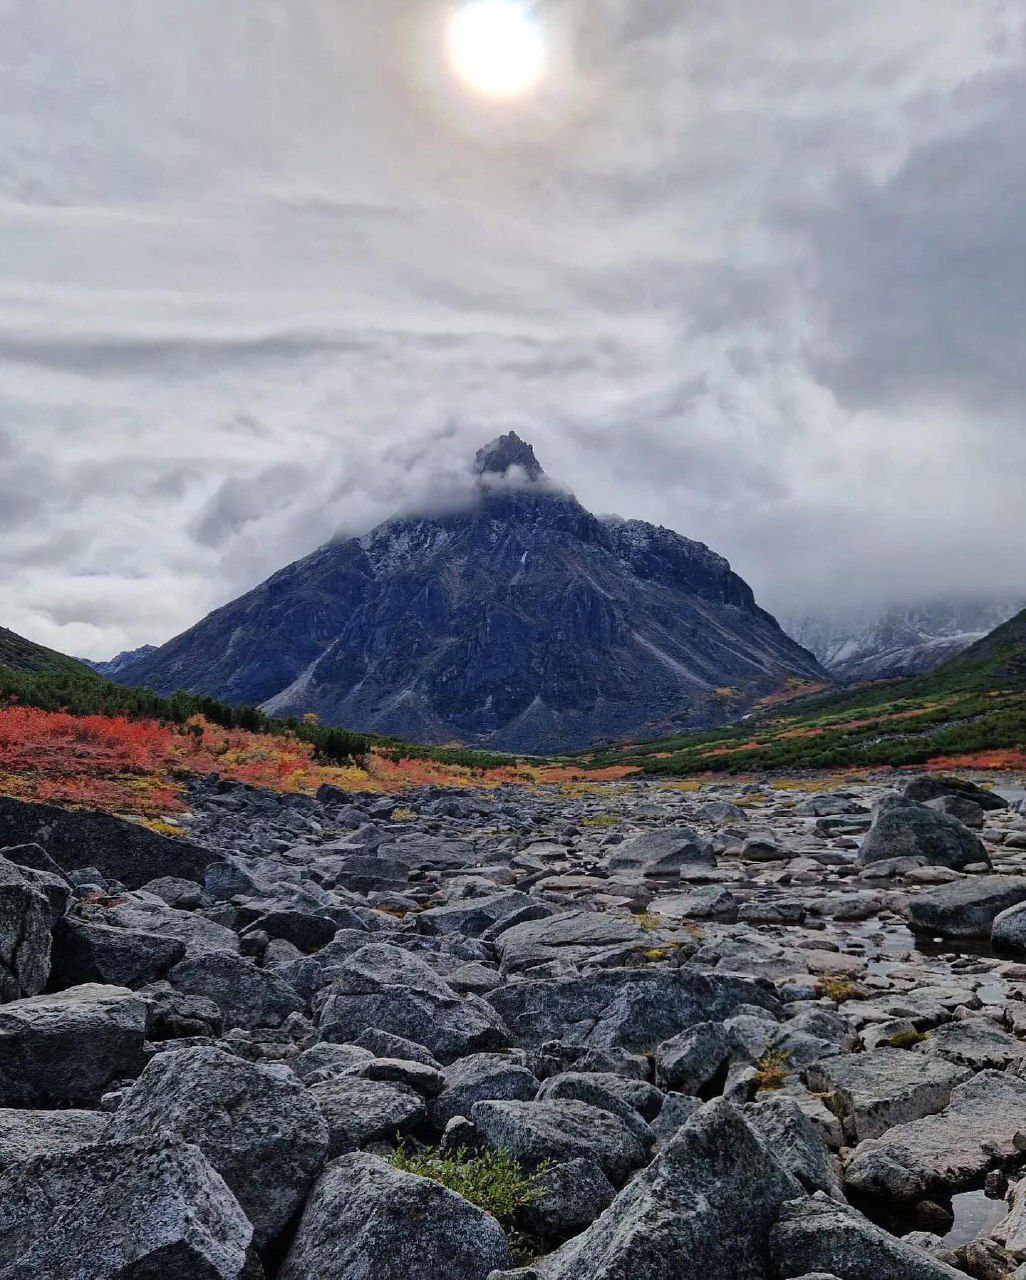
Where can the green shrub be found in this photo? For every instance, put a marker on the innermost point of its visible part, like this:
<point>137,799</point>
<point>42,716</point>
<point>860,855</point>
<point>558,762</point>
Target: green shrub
<point>493,1181</point>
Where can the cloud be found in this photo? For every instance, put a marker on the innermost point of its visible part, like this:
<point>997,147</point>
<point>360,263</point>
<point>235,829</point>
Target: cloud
<point>269,276</point>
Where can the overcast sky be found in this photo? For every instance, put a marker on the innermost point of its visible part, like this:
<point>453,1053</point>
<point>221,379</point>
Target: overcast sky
<point>756,271</point>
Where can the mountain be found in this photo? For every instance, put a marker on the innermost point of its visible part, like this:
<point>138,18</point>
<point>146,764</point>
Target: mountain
<point>521,622</point>
<point>969,713</point>
<point>19,654</point>
<point>997,661</point>
<point>886,644</point>
<point>114,666</point>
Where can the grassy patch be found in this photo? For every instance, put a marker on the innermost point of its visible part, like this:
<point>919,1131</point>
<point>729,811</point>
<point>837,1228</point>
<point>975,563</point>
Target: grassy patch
<point>494,1181</point>
<point>649,921</point>
<point>906,1039</point>
<point>839,989</point>
<point>772,1069</point>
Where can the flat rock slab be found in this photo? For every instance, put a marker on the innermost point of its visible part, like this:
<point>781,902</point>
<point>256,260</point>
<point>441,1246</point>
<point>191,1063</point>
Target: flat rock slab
<point>656,852</point>
<point>872,1092</point>
<point>965,908</point>
<point>940,1154</point>
<point>573,935</point>
<point>975,1043</point>
<point>35,1133</point>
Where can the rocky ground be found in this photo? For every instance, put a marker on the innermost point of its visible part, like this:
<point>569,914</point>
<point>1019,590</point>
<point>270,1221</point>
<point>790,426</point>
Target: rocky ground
<point>741,1033</point>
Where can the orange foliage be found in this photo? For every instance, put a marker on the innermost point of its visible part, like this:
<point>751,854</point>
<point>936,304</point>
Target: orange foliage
<point>566,773</point>
<point>1004,758</point>
<point>140,767</point>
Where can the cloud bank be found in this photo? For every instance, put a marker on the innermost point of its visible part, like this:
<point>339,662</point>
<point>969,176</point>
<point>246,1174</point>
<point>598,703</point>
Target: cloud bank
<point>268,274</point>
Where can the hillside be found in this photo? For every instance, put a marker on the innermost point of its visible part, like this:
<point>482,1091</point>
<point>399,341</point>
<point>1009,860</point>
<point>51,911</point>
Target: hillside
<point>19,654</point>
<point>520,622</point>
<point>971,711</point>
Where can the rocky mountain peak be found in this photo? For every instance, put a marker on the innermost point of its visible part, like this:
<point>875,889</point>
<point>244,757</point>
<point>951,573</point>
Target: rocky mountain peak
<point>503,454</point>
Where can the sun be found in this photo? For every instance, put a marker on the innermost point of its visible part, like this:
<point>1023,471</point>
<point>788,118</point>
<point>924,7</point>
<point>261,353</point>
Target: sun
<point>497,47</point>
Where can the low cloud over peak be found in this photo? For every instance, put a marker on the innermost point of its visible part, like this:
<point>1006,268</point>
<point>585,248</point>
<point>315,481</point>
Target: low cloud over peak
<point>752,272</point>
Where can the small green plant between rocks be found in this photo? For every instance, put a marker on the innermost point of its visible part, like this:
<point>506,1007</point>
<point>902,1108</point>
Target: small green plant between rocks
<point>493,1181</point>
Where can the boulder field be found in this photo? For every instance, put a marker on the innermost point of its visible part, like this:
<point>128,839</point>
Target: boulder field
<point>637,1031</point>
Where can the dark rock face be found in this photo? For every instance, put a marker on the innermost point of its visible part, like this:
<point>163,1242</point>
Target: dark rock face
<point>69,1047</point>
<point>521,623</point>
<point>904,829</point>
<point>701,1211</point>
<point>120,850</point>
<point>965,908</point>
<point>817,1233</point>
<point>26,918</point>
<point>939,786</point>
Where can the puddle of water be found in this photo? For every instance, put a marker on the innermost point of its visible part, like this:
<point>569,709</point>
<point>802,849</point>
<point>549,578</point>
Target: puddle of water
<point>975,1215</point>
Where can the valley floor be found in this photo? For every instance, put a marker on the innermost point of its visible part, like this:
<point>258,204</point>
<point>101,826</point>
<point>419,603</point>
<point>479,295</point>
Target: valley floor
<point>680,1030</point>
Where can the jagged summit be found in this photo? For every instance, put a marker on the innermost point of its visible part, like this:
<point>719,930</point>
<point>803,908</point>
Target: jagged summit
<point>520,622</point>
<point>506,453</point>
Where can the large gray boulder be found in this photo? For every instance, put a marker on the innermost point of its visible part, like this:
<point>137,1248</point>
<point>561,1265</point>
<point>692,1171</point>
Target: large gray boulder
<point>623,1008</point>
<point>818,1235</point>
<point>472,916</point>
<point>560,1130</point>
<point>935,1156</point>
<point>85,952</point>
<point>965,908</point>
<point>1008,933</point>
<point>932,786</point>
<point>657,852</point>
<point>477,1078</point>
<point>580,938</point>
<point>701,1211</point>
<point>968,812</point>
<point>120,1211</point>
<point>903,829</point>
<point>796,1142</point>
<point>153,915</point>
<point>366,1220</point>
<point>872,1092</point>
<point>26,920</point>
<point>120,850</point>
<point>59,1050</point>
<point>383,987</point>
<point>359,1111</point>
<point>692,1060</point>
<point>257,1125</point>
<point>247,996</point>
